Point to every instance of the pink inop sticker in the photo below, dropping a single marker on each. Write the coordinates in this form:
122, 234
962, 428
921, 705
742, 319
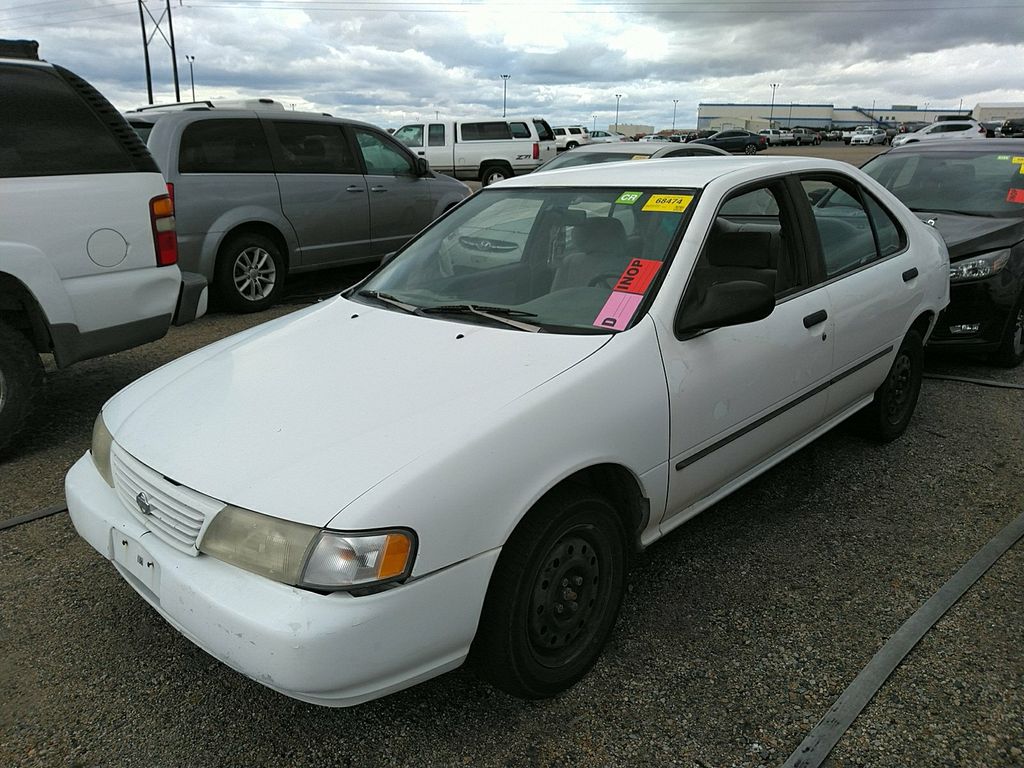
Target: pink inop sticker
618, 310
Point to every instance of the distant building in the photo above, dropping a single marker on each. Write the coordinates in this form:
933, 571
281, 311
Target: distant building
755, 117
996, 113
628, 129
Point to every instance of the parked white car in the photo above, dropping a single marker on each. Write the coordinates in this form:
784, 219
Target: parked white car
942, 131
869, 136
571, 136
605, 137
453, 460
653, 137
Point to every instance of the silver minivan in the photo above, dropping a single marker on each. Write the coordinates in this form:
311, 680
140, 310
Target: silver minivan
259, 194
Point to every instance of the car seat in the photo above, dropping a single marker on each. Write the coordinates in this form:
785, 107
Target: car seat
599, 250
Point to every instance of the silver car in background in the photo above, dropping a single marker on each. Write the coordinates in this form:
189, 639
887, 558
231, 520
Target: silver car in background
259, 194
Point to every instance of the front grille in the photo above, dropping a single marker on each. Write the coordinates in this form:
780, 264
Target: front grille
176, 513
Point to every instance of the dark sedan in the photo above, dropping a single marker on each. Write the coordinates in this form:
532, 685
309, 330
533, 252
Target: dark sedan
736, 141
975, 196
589, 154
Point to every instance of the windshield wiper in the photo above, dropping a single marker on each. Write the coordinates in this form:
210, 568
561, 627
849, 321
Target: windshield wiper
387, 298
498, 314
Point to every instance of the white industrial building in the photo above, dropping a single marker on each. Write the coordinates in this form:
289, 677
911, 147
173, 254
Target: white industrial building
755, 117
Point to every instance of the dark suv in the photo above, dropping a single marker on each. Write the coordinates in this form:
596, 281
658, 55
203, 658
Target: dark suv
1013, 128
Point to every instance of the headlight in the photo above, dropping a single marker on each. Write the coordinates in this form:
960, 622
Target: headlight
101, 440
976, 267
303, 555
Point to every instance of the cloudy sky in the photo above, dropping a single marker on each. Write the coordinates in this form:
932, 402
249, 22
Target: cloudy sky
387, 61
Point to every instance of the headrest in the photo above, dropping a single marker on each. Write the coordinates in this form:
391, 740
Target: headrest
599, 233
740, 249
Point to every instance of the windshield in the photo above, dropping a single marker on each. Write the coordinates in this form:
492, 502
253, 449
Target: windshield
969, 182
566, 260
142, 128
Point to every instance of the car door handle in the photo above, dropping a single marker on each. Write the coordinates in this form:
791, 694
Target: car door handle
815, 317
910, 274
378, 189
354, 188
420, 152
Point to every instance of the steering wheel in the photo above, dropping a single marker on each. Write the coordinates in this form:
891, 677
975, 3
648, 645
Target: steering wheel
604, 277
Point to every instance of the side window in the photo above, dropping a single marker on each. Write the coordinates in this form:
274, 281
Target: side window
412, 135
543, 130
844, 227
891, 237
313, 148
47, 130
750, 240
381, 158
435, 135
519, 130
559, 131
485, 131
224, 146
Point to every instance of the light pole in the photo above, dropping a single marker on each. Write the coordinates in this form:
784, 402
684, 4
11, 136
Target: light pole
504, 92
675, 103
595, 124
191, 75
771, 112
617, 97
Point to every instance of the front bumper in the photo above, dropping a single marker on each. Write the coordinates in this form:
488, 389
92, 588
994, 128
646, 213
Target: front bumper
987, 303
333, 650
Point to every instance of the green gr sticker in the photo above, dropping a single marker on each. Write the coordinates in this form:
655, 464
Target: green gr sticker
628, 198
1002, 157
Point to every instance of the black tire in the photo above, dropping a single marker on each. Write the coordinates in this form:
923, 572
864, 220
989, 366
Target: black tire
554, 596
21, 376
750, 149
495, 172
572, 144
1011, 347
250, 272
890, 412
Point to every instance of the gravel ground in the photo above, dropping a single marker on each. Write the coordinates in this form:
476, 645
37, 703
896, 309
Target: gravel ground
739, 630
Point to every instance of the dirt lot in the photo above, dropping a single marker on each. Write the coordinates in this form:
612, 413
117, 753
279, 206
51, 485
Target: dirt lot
738, 633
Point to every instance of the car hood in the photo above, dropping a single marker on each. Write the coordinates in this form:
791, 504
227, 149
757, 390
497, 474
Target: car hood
968, 235
301, 416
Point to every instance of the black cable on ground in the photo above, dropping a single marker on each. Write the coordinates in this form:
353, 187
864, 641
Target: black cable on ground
37, 515
979, 382
825, 735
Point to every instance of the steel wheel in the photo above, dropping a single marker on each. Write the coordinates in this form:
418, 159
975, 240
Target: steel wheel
896, 398
554, 595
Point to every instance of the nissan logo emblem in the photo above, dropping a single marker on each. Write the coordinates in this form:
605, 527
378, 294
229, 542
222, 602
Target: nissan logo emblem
142, 500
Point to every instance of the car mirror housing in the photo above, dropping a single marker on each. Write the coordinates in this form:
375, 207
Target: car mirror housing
732, 303
422, 166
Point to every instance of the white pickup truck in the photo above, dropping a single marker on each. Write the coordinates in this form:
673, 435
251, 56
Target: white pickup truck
778, 136
486, 150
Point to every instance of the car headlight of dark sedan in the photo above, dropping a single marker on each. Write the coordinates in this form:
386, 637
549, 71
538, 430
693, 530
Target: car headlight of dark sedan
975, 267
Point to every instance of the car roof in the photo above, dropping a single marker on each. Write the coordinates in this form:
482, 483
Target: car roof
188, 115
986, 147
672, 171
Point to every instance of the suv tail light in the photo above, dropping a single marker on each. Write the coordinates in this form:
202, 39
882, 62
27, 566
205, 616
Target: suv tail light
165, 239
536, 151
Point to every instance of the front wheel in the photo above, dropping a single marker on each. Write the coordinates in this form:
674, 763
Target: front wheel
21, 374
493, 173
554, 596
250, 272
889, 413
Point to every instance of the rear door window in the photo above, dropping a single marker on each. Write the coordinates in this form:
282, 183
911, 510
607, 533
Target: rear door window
494, 131
543, 130
224, 146
313, 148
380, 157
47, 130
519, 130
435, 136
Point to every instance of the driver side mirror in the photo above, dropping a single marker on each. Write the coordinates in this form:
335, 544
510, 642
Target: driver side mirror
733, 303
422, 166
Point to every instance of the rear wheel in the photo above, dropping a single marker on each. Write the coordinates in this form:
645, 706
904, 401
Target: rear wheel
21, 375
750, 149
572, 145
1011, 348
250, 272
495, 172
554, 596
889, 413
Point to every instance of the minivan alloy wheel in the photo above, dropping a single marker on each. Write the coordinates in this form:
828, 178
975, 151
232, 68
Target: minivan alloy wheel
254, 273
250, 272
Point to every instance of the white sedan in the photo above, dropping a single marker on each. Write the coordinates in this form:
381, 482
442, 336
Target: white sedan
454, 459
869, 136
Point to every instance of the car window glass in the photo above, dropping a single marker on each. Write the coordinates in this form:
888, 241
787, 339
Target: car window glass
543, 130
380, 157
559, 131
844, 228
891, 237
486, 131
410, 135
749, 240
435, 137
519, 130
224, 146
47, 130
313, 148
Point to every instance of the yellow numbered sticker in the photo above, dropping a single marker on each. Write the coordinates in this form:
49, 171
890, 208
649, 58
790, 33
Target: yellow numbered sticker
1017, 159
668, 203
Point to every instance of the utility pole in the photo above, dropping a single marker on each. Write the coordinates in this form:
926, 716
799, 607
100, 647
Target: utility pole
504, 92
145, 53
771, 112
191, 75
617, 97
174, 53
147, 39
675, 103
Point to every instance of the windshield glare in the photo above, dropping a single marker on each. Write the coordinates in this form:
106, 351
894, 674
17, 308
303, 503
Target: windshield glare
577, 260
980, 184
